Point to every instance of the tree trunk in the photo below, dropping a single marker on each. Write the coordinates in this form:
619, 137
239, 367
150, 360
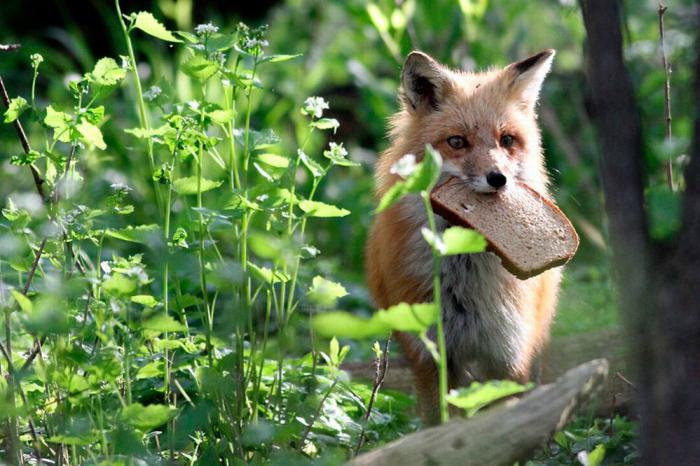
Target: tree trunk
659, 300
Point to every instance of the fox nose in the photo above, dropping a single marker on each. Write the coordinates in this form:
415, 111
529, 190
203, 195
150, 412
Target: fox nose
496, 179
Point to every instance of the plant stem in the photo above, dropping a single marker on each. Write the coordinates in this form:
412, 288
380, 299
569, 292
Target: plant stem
442, 349
667, 95
143, 115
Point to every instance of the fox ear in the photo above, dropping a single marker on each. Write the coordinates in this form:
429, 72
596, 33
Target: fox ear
526, 77
423, 82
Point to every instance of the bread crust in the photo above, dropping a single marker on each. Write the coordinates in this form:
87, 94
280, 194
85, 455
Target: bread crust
448, 201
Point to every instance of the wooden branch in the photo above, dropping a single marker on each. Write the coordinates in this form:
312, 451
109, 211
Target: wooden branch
500, 436
667, 95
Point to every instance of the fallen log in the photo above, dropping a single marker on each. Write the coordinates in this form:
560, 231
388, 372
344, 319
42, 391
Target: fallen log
499, 436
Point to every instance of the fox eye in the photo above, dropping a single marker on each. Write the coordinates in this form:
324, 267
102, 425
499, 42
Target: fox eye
457, 142
507, 141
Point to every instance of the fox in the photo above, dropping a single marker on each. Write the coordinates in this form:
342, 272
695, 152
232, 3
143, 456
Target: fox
484, 125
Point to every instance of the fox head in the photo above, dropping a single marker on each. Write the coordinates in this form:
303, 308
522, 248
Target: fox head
483, 124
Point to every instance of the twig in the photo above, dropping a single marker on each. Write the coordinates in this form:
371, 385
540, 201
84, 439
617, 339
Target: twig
316, 414
381, 366
32, 271
667, 95
624, 379
38, 180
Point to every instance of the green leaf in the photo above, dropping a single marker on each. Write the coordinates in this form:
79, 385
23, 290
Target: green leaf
150, 25
17, 106
151, 370
266, 275
596, 457
188, 185
316, 170
145, 299
134, 234
326, 123
107, 72
91, 134
147, 417
26, 158
24, 303
278, 58
347, 325
378, 18
405, 317
199, 68
479, 395
163, 323
423, 178
221, 117
118, 284
60, 122
274, 160
458, 240
143, 133
320, 209
325, 292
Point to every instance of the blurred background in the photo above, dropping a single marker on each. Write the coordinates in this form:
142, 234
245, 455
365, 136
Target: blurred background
352, 55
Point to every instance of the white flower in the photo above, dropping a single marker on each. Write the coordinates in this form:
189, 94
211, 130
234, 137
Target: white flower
106, 268
120, 187
225, 83
153, 93
252, 43
125, 62
194, 105
314, 106
405, 166
199, 47
206, 29
337, 150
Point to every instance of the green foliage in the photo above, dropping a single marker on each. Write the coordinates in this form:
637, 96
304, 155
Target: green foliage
479, 395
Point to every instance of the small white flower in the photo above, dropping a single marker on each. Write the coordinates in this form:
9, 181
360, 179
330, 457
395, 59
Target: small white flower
106, 268
405, 166
198, 47
206, 29
153, 93
36, 59
125, 62
120, 187
194, 105
337, 150
314, 106
252, 43
225, 83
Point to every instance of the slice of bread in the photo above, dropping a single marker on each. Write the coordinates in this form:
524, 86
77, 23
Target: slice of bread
527, 231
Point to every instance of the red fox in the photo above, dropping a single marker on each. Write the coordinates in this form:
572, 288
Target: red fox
485, 127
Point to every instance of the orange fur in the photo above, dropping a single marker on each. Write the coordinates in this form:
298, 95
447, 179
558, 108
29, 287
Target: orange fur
438, 103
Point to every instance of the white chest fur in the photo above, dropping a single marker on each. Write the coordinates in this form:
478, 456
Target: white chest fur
485, 331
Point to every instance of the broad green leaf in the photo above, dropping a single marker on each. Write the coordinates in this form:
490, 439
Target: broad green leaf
266, 275
347, 325
118, 284
91, 134
199, 68
458, 240
221, 117
434, 240
17, 106
320, 209
405, 317
60, 122
274, 160
163, 323
143, 133
325, 292
24, 303
134, 234
77, 440
479, 395
145, 299
150, 25
150, 370
107, 72
189, 185
147, 417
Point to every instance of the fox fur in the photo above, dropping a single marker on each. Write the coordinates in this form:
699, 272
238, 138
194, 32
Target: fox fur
495, 324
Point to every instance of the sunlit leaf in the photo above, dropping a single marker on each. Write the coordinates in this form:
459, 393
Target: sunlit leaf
150, 25
321, 209
325, 292
479, 395
163, 323
147, 417
17, 106
190, 185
